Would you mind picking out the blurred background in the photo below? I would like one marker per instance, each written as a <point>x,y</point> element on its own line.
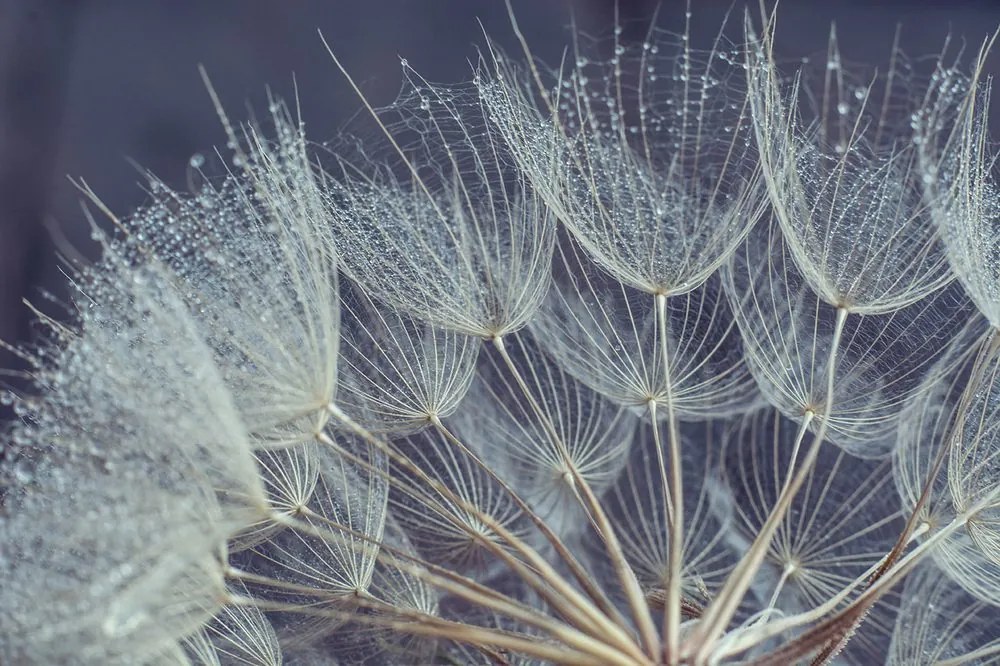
<point>91,88</point>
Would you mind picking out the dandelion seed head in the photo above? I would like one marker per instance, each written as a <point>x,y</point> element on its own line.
<point>652,358</point>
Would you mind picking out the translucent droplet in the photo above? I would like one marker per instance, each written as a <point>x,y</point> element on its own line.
<point>22,472</point>
<point>197,161</point>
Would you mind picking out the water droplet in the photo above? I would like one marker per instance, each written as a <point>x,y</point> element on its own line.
<point>22,471</point>
<point>197,161</point>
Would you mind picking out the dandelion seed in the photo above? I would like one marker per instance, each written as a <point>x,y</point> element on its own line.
<point>454,240</point>
<point>856,219</point>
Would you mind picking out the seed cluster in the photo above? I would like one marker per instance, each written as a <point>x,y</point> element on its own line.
<point>667,357</point>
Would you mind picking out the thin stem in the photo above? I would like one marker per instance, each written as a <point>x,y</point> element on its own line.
<point>975,656</point>
<point>722,609</point>
<point>638,605</point>
<point>786,572</point>
<point>672,614</point>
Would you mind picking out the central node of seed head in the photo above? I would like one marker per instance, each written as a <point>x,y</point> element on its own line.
<point>564,475</point>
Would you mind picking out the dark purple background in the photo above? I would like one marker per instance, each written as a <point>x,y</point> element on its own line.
<point>87,86</point>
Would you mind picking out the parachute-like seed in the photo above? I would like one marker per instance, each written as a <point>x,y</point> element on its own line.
<point>848,188</point>
<point>838,529</point>
<point>942,624</point>
<point>394,590</point>
<point>882,361</point>
<point>238,635</point>
<point>967,205</point>
<point>592,435</point>
<point>647,157</point>
<point>136,432</point>
<point>399,374</point>
<point>438,528</point>
<point>249,261</point>
<point>949,439</point>
<point>289,476</point>
<point>450,237</point>
<point>605,335</point>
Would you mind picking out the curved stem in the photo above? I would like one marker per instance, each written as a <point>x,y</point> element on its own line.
<point>675,489</point>
<point>785,574</point>
<point>972,657</point>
